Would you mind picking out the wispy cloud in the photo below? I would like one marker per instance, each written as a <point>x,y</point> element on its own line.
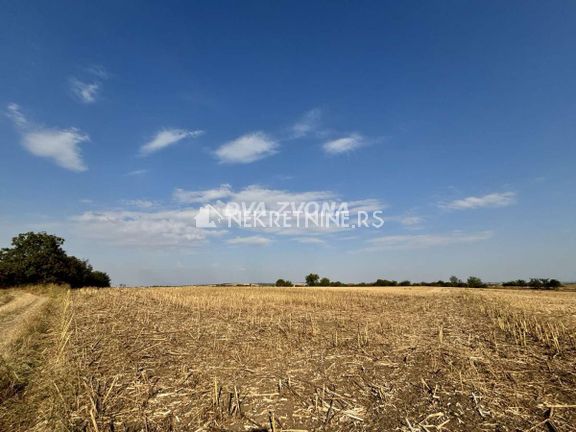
<point>203,196</point>
<point>343,145</point>
<point>60,145</point>
<point>156,228</point>
<point>87,89</point>
<point>85,92</point>
<point>140,203</point>
<point>426,240</point>
<point>150,223</point>
<point>246,149</point>
<point>310,240</point>
<point>411,220</point>
<point>137,172</point>
<point>98,71</point>
<point>252,240</point>
<point>307,124</point>
<point>491,200</point>
<point>166,138</point>
<point>250,194</point>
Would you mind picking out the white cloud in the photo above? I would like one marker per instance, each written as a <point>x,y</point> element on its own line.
<point>251,194</point>
<point>491,200</point>
<point>246,149</point>
<point>137,172</point>
<point>166,138</point>
<point>139,203</point>
<point>343,145</point>
<point>15,114</point>
<point>309,240</point>
<point>86,92</point>
<point>60,145</point>
<point>98,70</point>
<point>253,240</point>
<point>411,220</point>
<point>156,225</point>
<point>203,196</point>
<point>161,228</point>
<point>307,124</point>
<point>427,240</point>
<point>88,89</point>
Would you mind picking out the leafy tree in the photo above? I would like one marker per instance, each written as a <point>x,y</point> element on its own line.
<point>100,279</point>
<point>475,282</point>
<point>38,258</point>
<point>544,283</point>
<point>456,282</point>
<point>312,279</point>
<point>384,282</point>
<point>284,283</point>
<point>535,283</point>
<point>325,282</point>
<point>404,283</point>
<point>34,258</point>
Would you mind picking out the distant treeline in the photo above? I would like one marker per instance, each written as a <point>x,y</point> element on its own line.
<point>472,282</point>
<point>536,283</point>
<point>38,258</point>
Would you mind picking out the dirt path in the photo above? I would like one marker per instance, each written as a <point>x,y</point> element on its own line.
<point>16,314</point>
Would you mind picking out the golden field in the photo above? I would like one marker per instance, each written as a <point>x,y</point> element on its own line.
<point>287,359</point>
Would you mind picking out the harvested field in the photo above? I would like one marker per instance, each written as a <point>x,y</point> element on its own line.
<point>303,359</point>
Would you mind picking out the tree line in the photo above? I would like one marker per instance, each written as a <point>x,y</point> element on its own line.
<point>314,279</point>
<point>536,283</point>
<point>38,258</point>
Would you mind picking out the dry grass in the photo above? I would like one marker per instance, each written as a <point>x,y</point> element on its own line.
<point>281,359</point>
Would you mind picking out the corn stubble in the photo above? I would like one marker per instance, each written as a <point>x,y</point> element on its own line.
<point>302,359</point>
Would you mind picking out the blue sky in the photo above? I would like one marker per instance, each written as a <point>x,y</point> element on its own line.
<point>456,119</point>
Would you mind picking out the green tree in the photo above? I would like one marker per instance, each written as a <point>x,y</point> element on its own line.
<point>384,282</point>
<point>475,282</point>
<point>34,258</point>
<point>98,279</point>
<point>324,281</point>
<point>312,279</point>
<point>455,282</point>
<point>535,283</point>
<point>38,258</point>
